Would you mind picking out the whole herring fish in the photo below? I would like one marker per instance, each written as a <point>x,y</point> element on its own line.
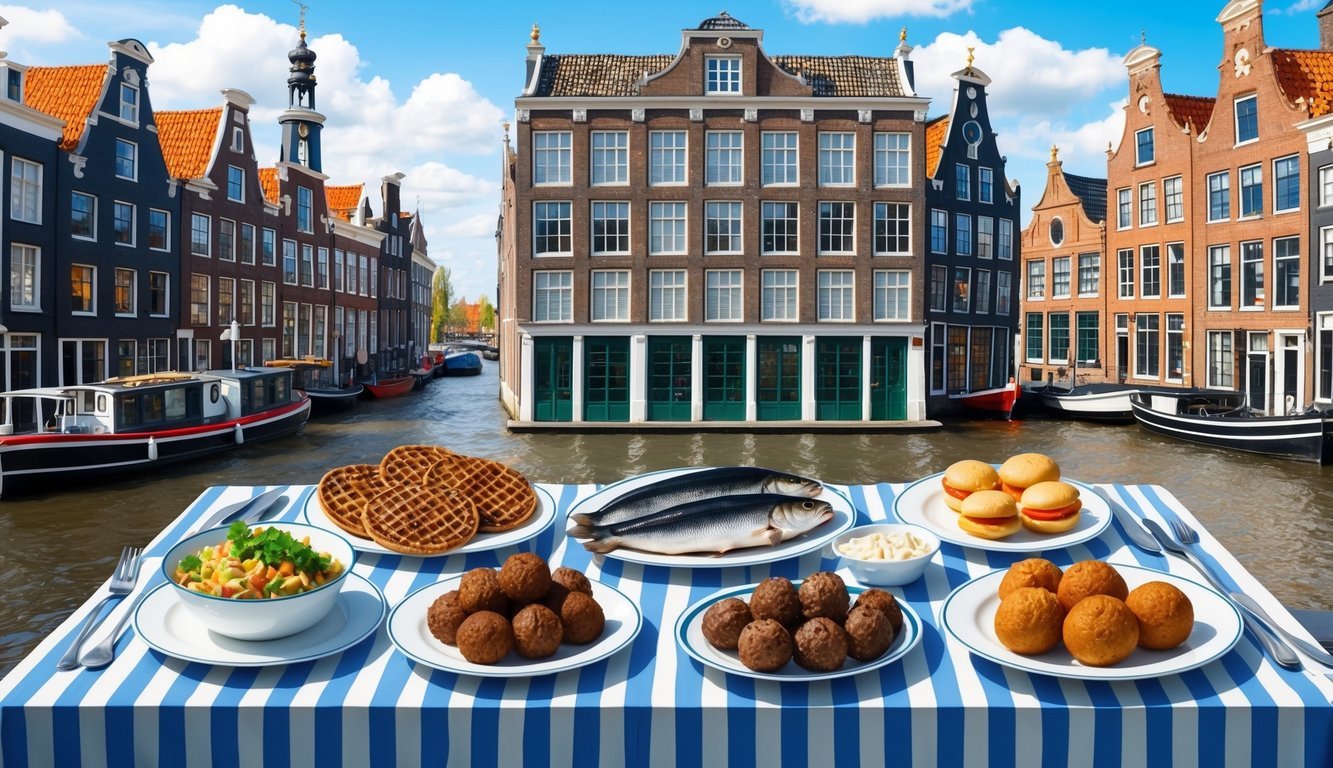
<point>715,525</point>
<point>695,486</point>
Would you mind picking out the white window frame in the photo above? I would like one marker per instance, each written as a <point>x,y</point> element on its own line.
<point>886,296</point>
<point>1138,157</point>
<point>1068,264</point>
<point>730,212</point>
<point>791,295</point>
<point>717,146</point>
<point>792,222</point>
<point>166,294</point>
<point>1325,186</point>
<point>779,151</point>
<point>723,75</point>
<point>893,164</point>
<point>903,221</point>
<point>668,287</point>
<point>621,236</point>
<point>1224,191</point>
<point>837,159</point>
<point>835,303</point>
<point>92,271</point>
<point>562,151</point>
<point>985,184</point>
<point>195,218</point>
<point>611,159</point>
<point>668,227</point>
<point>25,191</point>
<point>134,160</point>
<point>1148,204</point>
<point>1124,208</point>
<point>562,291</point>
<point>1035,279</point>
<point>564,210</point>
<point>715,291</point>
<point>841,207</point>
<point>613,293</point>
<point>1240,176</point>
<point>1224,252</point>
<point>1235,117</point>
<point>1004,242</point>
<point>241,177</point>
<point>93,198</point>
<point>25,267</point>
<point>1326,255</point>
<point>134,291</point>
<point>678,154</point>
<point>166,231</point>
<point>134,223</point>
<point>1297,161</point>
<point>133,117</point>
<point>1179,195</point>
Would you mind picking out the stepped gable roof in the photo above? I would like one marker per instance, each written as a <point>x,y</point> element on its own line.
<point>343,199</point>
<point>1091,192</point>
<point>187,138</point>
<point>1195,111</point>
<point>936,130</point>
<point>723,21</point>
<point>69,93</point>
<point>845,75</point>
<point>1306,76</point>
<point>268,182</point>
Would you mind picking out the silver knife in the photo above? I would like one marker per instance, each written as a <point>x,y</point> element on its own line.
<point>1313,651</point>
<point>1138,536</point>
<point>239,509</point>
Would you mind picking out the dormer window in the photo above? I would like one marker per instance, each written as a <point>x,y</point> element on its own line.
<point>1247,119</point>
<point>1143,146</point>
<point>14,85</point>
<point>723,74</point>
<point>237,140</point>
<point>129,103</point>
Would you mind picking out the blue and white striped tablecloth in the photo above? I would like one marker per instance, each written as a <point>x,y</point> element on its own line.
<point>650,704</point>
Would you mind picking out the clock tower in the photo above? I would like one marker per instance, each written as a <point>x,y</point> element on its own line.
<point>300,122</point>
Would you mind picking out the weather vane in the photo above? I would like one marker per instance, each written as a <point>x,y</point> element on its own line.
<point>303,8</point>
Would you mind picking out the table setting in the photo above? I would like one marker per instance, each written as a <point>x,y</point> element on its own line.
<point>371,681</point>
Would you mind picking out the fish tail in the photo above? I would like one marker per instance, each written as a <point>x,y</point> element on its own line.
<point>601,546</point>
<point>586,531</point>
<point>582,518</point>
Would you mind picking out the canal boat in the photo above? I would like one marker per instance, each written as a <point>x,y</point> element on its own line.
<point>995,402</point>
<point>394,386</point>
<point>1222,420</point>
<point>315,377</point>
<point>1093,402</point>
<point>462,362</point>
<point>491,353</point>
<point>67,434</point>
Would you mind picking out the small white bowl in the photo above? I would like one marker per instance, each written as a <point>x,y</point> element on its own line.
<point>887,573</point>
<point>262,619</point>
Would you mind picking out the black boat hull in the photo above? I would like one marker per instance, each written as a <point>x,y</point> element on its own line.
<point>1302,438</point>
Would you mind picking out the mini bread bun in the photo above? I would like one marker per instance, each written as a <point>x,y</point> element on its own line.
<point>1025,469</point>
<point>1090,577</point>
<point>1100,631</point>
<point>1032,572</point>
<point>967,476</point>
<point>1030,621</point>
<point>990,515</point>
<point>1165,614</point>
<point>1049,495</point>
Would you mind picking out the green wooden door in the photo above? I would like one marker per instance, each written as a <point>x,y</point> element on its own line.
<point>838,379</point>
<point>606,378</point>
<point>888,379</point>
<point>670,382</point>
<point>552,377</point>
<point>724,378</point>
<point>778,385</point>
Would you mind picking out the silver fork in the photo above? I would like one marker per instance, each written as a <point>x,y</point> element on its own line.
<point>122,583</point>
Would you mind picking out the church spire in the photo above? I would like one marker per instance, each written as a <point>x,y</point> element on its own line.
<point>300,122</point>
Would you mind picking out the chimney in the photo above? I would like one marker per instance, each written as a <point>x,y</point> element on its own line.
<point>1325,17</point>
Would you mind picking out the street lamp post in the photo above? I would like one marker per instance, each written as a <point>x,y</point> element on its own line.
<point>232,334</point>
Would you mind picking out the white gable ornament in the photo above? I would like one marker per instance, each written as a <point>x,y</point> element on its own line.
<point>1242,62</point>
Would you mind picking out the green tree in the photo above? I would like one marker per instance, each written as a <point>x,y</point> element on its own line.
<point>487,314</point>
<point>442,290</point>
<point>458,315</point>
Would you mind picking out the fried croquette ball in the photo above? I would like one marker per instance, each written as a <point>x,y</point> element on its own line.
<point>775,598</point>
<point>1029,620</point>
<point>765,645</point>
<point>1100,631</point>
<point>886,603</point>
<point>1165,614</point>
<point>869,633</point>
<point>573,580</point>
<point>1032,572</point>
<point>1090,577</point>
<point>444,617</point>
<point>479,590</point>
<point>824,594</point>
<point>525,577</point>
<point>582,618</point>
<point>537,631</point>
<point>724,621</point>
<point>821,645</point>
<point>485,637</point>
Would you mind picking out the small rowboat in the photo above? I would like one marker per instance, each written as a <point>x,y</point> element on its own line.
<point>998,402</point>
<point>392,387</point>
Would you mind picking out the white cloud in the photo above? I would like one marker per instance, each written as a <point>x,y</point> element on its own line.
<point>1302,6</point>
<point>862,11</point>
<point>27,25</point>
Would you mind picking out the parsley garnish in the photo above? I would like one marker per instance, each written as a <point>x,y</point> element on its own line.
<point>273,546</point>
<point>190,563</point>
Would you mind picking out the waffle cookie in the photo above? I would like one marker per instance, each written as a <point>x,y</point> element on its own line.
<point>504,498</point>
<point>420,520</point>
<point>343,493</point>
<point>408,463</point>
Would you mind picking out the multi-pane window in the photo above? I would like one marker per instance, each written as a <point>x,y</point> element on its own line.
<point>247,243</point>
<point>723,299</point>
<point>83,281</point>
<point>159,289</point>
<point>1034,328</point>
<point>1147,203</point>
<point>893,159</point>
<point>551,229</point>
<point>893,228</point>
<point>666,295</point>
<point>159,230</point>
<point>1058,336</point>
<point>268,304</point>
<point>985,237</point>
<point>226,300</point>
<point>199,299</point>
<point>83,216</point>
<point>724,156</point>
<point>1252,274</point>
<point>127,159</point>
<point>722,227</point>
<point>552,297</point>
<point>893,294</point>
<point>837,159</point>
<point>1326,248</point>
<point>1125,273</point>
<point>1251,190</point>
<point>1003,292</point>
<point>1247,119</point>
<point>1037,279</point>
<point>122,223</point>
<point>1175,270</point>
<point>1286,183</point>
<point>610,227</point>
<point>981,304</point>
<point>722,74</point>
<point>308,265</point>
<point>837,227</point>
<point>246,307</point>
<point>1005,248</point>
<point>938,290</point>
<point>666,228</point>
<point>1326,186</point>
<point>1150,271</point>
<point>551,151</point>
<point>25,193</point>
<point>962,289</point>
<point>1173,192</point>
<point>1219,196</point>
<point>985,185</point>
<point>1089,273</point>
<point>836,294</point>
<point>609,295</point>
<point>962,181</point>
<point>777,295</point>
<point>201,233</point>
<point>268,246</point>
<point>939,231</point>
<point>305,210</point>
<point>1144,151</point>
<point>962,223</point>
<point>1175,347</point>
<point>1221,363</point>
<point>1086,340</point>
<point>23,276</point>
<point>226,240</point>
<point>778,158</point>
<point>1060,277</point>
<point>610,157</point>
<point>129,103</point>
<point>1124,208</point>
<point>235,183</point>
<point>666,157</point>
<point>780,227</point>
<point>1148,345</point>
<point>1287,272</point>
<point>289,262</point>
<point>1219,277</point>
<point>322,268</point>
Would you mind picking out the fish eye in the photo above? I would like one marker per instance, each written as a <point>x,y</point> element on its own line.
<point>808,504</point>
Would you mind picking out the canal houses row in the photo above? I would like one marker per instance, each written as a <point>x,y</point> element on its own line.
<point>727,235</point>
<point>140,236</point>
<point>1214,266</point>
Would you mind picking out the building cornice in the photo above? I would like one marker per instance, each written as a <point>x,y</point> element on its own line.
<point>899,103</point>
<point>724,329</point>
<point>29,120</point>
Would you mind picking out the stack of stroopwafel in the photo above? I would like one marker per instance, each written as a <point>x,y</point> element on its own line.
<point>504,498</point>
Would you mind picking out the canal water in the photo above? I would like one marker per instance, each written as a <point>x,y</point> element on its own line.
<point>57,548</point>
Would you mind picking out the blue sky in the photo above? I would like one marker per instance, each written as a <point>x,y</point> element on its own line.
<point>422,87</point>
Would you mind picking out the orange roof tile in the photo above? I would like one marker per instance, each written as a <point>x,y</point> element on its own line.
<point>1196,111</point>
<point>343,200</point>
<point>268,181</point>
<point>936,130</point>
<point>69,93</point>
<point>187,138</point>
<point>1306,75</point>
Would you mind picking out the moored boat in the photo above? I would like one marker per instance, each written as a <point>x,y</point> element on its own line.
<point>1221,420</point>
<point>67,434</point>
<point>1096,402</point>
<point>996,402</point>
<point>389,387</point>
<point>314,376</point>
<point>463,362</point>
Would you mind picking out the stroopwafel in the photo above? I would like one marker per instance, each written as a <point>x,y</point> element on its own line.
<point>504,498</point>
<point>343,493</point>
<point>420,520</point>
<point>408,463</point>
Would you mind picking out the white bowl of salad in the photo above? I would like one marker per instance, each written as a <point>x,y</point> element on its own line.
<point>260,582</point>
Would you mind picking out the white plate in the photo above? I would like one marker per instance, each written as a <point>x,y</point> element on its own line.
<point>411,636</point>
<point>922,503</point>
<point>844,516</point>
<point>968,614</point>
<point>167,626</point>
<point>541,519</point>
<point>690,636</point>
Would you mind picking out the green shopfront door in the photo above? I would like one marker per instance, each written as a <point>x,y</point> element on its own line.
<point>838,379</point>
<point>669,378</point>
<point>778,384</point>
<point>888,379</point>
<point>606,378</point>
<point>552,378</point>
<point>724,378</point>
